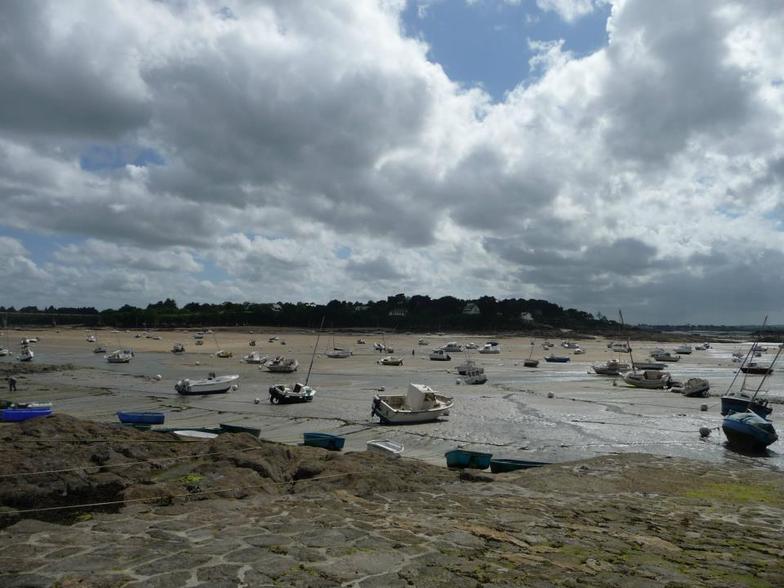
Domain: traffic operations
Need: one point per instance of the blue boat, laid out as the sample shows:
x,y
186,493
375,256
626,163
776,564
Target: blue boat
x,y
141,418
325,441
748,430
557,359
498,466
742,401
16,415
463,458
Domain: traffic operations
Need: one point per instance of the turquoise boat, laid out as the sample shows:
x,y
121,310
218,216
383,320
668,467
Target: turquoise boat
x,y
16,415
498,466
325,441
463,458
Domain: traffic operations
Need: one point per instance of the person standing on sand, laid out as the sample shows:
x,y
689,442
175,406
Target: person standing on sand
x,y
11,384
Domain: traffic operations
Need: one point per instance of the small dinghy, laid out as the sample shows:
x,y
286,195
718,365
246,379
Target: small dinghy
x,y
650,379
499,466
463,458
440,355
16,415
26,355
610,368
119,356
223,354
324,440
255,357
141,418
281,365
385,447
281,394
211,385
391,360
195,434
557,358
99,349
531,363
467,366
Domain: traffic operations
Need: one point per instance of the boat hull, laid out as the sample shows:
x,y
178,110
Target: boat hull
x,y
324,440
462,458
531,363
742,432
17,415
557,359
203,387
281,395
385,447
141,418
499,466
730,404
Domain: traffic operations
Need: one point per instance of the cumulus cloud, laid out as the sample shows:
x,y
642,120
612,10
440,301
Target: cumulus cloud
x,y
283,131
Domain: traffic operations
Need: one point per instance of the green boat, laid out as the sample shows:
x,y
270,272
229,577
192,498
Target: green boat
x,y
498,466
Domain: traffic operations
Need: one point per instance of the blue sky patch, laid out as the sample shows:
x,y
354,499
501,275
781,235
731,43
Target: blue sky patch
x,y
486,43
108,157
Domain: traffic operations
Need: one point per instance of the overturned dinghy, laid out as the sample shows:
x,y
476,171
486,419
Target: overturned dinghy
x,y
420,405
651,379
210,385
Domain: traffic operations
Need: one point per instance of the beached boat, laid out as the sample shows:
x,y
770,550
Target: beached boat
x,y
439,355
99,349
748,430
757,369
199,341
422,342
531,362
119,356
651,379
463,458
198,336
255,357
579,351
471,345
612,367
499,465
391,360
475,376
324,440
223,354
421,404
491,347
557,358
741,401
91,339
467,366
178,348
361,342
694,387
620,347
280,394
195,434
141,418
647,365
210,385
662,355
26,354
18,414
385,447
683,349
4,352
338,353
452,347
282,365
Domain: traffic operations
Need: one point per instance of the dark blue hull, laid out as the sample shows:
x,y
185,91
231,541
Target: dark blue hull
x,y
462,458
730,404
556,359
325,441
141,418
16,415
748,433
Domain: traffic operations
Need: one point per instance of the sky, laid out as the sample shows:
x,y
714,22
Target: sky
x,y
600,154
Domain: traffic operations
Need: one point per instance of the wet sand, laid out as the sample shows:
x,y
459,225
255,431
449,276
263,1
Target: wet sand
x,y
556,412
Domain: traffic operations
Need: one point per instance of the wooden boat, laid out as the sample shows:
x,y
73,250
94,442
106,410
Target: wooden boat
x,y
694,387
16,415
531,363
420,405
741,401
280,394
282,365
748,430
209,385
141,418
119,356
499,466
557,358
440,355
650,379
756,369
385,447
391,360
463,458
324,440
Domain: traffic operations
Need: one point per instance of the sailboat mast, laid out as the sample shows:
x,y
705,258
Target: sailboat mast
x,y
628,343
750,353
313,356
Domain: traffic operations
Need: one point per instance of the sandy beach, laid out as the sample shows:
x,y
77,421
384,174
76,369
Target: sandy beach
x,y
556,412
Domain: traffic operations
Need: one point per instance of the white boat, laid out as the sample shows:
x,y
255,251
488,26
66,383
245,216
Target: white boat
x,y
651,379
579,351
453,347
610,368
119,356
4,352
475,376
391,360
379,347
178,348
338,353
490,347
662,355
223,354
26,354
99,349
420,405
273,339
255,357
198,335
440,355
619,347
385,447
471,345
683,349
210,385
282,394
282,365
91,339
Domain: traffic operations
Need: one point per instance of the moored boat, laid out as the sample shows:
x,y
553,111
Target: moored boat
x,y
650,379
391,360
17,414
463,458
338,353
119,356
500,465
282,365
491,347
452,347
99,349
611,367
26,354
210,385
531,363
741,401
748,430
281,394
141,418
440,355
466,366
475,376
683,349
385,447
420,404
178,348
662,355
756,369
694,387
557,358
648,365
223,354
255,357
324,440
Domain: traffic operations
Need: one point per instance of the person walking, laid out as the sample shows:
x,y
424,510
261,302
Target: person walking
x,y
11,384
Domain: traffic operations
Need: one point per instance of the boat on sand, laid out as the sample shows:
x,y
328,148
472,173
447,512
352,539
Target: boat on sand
x,y
210,385
420,404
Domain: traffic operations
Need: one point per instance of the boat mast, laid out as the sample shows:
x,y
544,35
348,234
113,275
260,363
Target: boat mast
x,y
766,374
530,354
749,354
313,356
628,343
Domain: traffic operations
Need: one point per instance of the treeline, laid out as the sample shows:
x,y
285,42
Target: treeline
x,y
399,312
